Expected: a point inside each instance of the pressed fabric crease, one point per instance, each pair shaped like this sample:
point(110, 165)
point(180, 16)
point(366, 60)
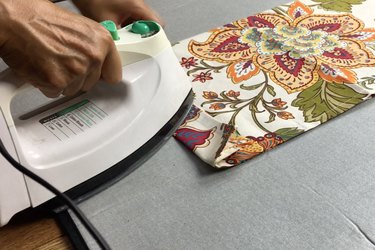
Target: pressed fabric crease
point(264, 79)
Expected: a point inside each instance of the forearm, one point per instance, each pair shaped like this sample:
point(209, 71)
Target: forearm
point(4, 16)
point(12, 14)
point(80, 4)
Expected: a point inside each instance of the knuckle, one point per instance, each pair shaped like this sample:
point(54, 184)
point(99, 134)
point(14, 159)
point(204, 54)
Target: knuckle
point(103, 35)
point(107, 39)
point(57, 82)
point(95, 57)
point(77, 68)
point(103, 32)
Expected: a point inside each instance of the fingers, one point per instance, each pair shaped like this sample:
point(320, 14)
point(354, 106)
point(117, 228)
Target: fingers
point(51, 93)
point(47, 89)
point(112, 69)
point(80, 84)
point(147, 13)
point(74, 87)
point(91, 79)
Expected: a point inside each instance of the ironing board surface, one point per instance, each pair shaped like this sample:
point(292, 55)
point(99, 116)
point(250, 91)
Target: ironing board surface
point(315, 192)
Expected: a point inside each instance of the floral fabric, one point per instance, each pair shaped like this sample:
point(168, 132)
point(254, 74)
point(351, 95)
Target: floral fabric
point(267, 78)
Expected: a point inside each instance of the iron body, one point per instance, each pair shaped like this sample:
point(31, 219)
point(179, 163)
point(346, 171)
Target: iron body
point(75, 142)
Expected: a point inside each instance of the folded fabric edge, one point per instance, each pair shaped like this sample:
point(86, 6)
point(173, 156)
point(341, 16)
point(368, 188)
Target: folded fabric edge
point(218, 144)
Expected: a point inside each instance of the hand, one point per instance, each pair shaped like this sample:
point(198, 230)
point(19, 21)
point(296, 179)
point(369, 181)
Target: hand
point(122, 12)
point(57, 51)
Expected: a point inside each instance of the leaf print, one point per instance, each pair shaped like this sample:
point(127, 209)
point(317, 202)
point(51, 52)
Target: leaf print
point(288, 133)
point(338, 5)
point(324, 101)
point(366, 81)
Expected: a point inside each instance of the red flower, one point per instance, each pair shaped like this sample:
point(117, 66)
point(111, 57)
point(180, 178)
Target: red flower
point(188, 62)
point(209, 95)
point(278, 103)
point(285, 115)
point(232, 93)
point(217, 106)
point(202, 77)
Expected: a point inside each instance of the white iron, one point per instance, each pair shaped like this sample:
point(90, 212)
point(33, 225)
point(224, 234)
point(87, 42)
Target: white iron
point(68, 141)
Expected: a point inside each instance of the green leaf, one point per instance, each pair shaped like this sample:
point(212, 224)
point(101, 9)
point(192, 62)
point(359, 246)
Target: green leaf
point(252, 87)
point(224, 96)
point(254, 108)
point(338, 5)
point(289, 133)
point(271, 118)
point(365, 81)
point(216, 69)
point(234, 105)
point(271, 90)
point(175, 43)
point(195, 70)
point(324, 101)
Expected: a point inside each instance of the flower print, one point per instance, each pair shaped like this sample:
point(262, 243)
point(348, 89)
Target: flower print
point(278, 103)
point(268, 141)
point(242, 71)
point(209, 95)
point(188, 62)
point(285, 115)
point(249, 146)
point(337, 75)
point(217, 106)
point(295, 50)
point(298, 9)
point(202, 77)
point(232, 93)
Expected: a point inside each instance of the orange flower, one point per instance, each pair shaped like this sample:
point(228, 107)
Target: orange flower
point(209, 95)
point(278, 103)
point(217, 106)
point(242, 71)
point(285, 115)
point(232, 93)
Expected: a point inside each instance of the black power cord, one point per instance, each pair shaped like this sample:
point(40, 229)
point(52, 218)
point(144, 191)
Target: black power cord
point(63, 197)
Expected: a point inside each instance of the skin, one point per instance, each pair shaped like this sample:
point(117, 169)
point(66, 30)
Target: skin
point(60, 52)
